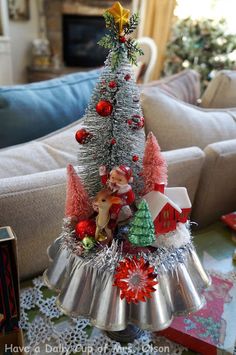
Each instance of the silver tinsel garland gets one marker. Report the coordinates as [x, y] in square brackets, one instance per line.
[129, 142]
[107, 258]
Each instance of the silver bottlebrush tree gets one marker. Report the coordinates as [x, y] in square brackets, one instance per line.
[113, 133]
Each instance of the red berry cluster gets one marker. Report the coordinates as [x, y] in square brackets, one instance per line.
[135, 158]
[112, 84]
[122, 39]
[113, 141]
[127, 77]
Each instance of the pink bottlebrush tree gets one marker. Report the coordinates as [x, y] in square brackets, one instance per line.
[154, 165]
[77, 200]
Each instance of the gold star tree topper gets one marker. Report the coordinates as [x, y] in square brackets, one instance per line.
[120, 14]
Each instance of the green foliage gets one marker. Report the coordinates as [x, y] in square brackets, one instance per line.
[133, 50]
[106, 41]
[116, 59]
[132, 25]
[112, 41]
[110, 23]
[203, 45]
[109, 40]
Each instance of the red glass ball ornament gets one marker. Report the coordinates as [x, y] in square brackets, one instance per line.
[112, 84]
[82, 136]
[127, 77]
[122, 39]
[135, 158]
[113, 141]
[85, 228]
[104, 108]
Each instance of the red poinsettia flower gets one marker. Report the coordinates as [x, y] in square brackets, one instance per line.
[135, 277]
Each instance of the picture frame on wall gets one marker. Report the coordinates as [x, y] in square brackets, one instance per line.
[19, 10]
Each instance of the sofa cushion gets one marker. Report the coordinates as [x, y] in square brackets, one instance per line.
[53, 151]
[34, 205]
[31, 111]
[216, 193]
[221, 91]
[177, 124]
[184, 86]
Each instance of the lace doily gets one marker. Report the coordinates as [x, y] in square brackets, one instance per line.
[52, 332]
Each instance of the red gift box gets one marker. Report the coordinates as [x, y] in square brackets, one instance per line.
[10, 333]
[211, 330]
[230, 220]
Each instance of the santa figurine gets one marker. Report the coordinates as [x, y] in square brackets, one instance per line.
[118, 182]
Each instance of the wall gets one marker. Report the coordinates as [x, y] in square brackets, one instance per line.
[1, 26]
[5, 46]
[22, 33]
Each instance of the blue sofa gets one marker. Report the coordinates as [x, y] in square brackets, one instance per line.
[34, 110]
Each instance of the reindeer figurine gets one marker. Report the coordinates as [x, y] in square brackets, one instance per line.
[102, 203]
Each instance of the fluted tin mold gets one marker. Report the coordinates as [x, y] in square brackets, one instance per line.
[85, 287]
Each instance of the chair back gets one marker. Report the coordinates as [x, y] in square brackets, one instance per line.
[149, 58]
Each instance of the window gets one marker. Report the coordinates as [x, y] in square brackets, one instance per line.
[212, 9]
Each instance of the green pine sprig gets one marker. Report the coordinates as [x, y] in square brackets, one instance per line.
[133, 51]
[112, 41]
[109, 40]
[116, 59]
[132, 25]
[110, 22]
